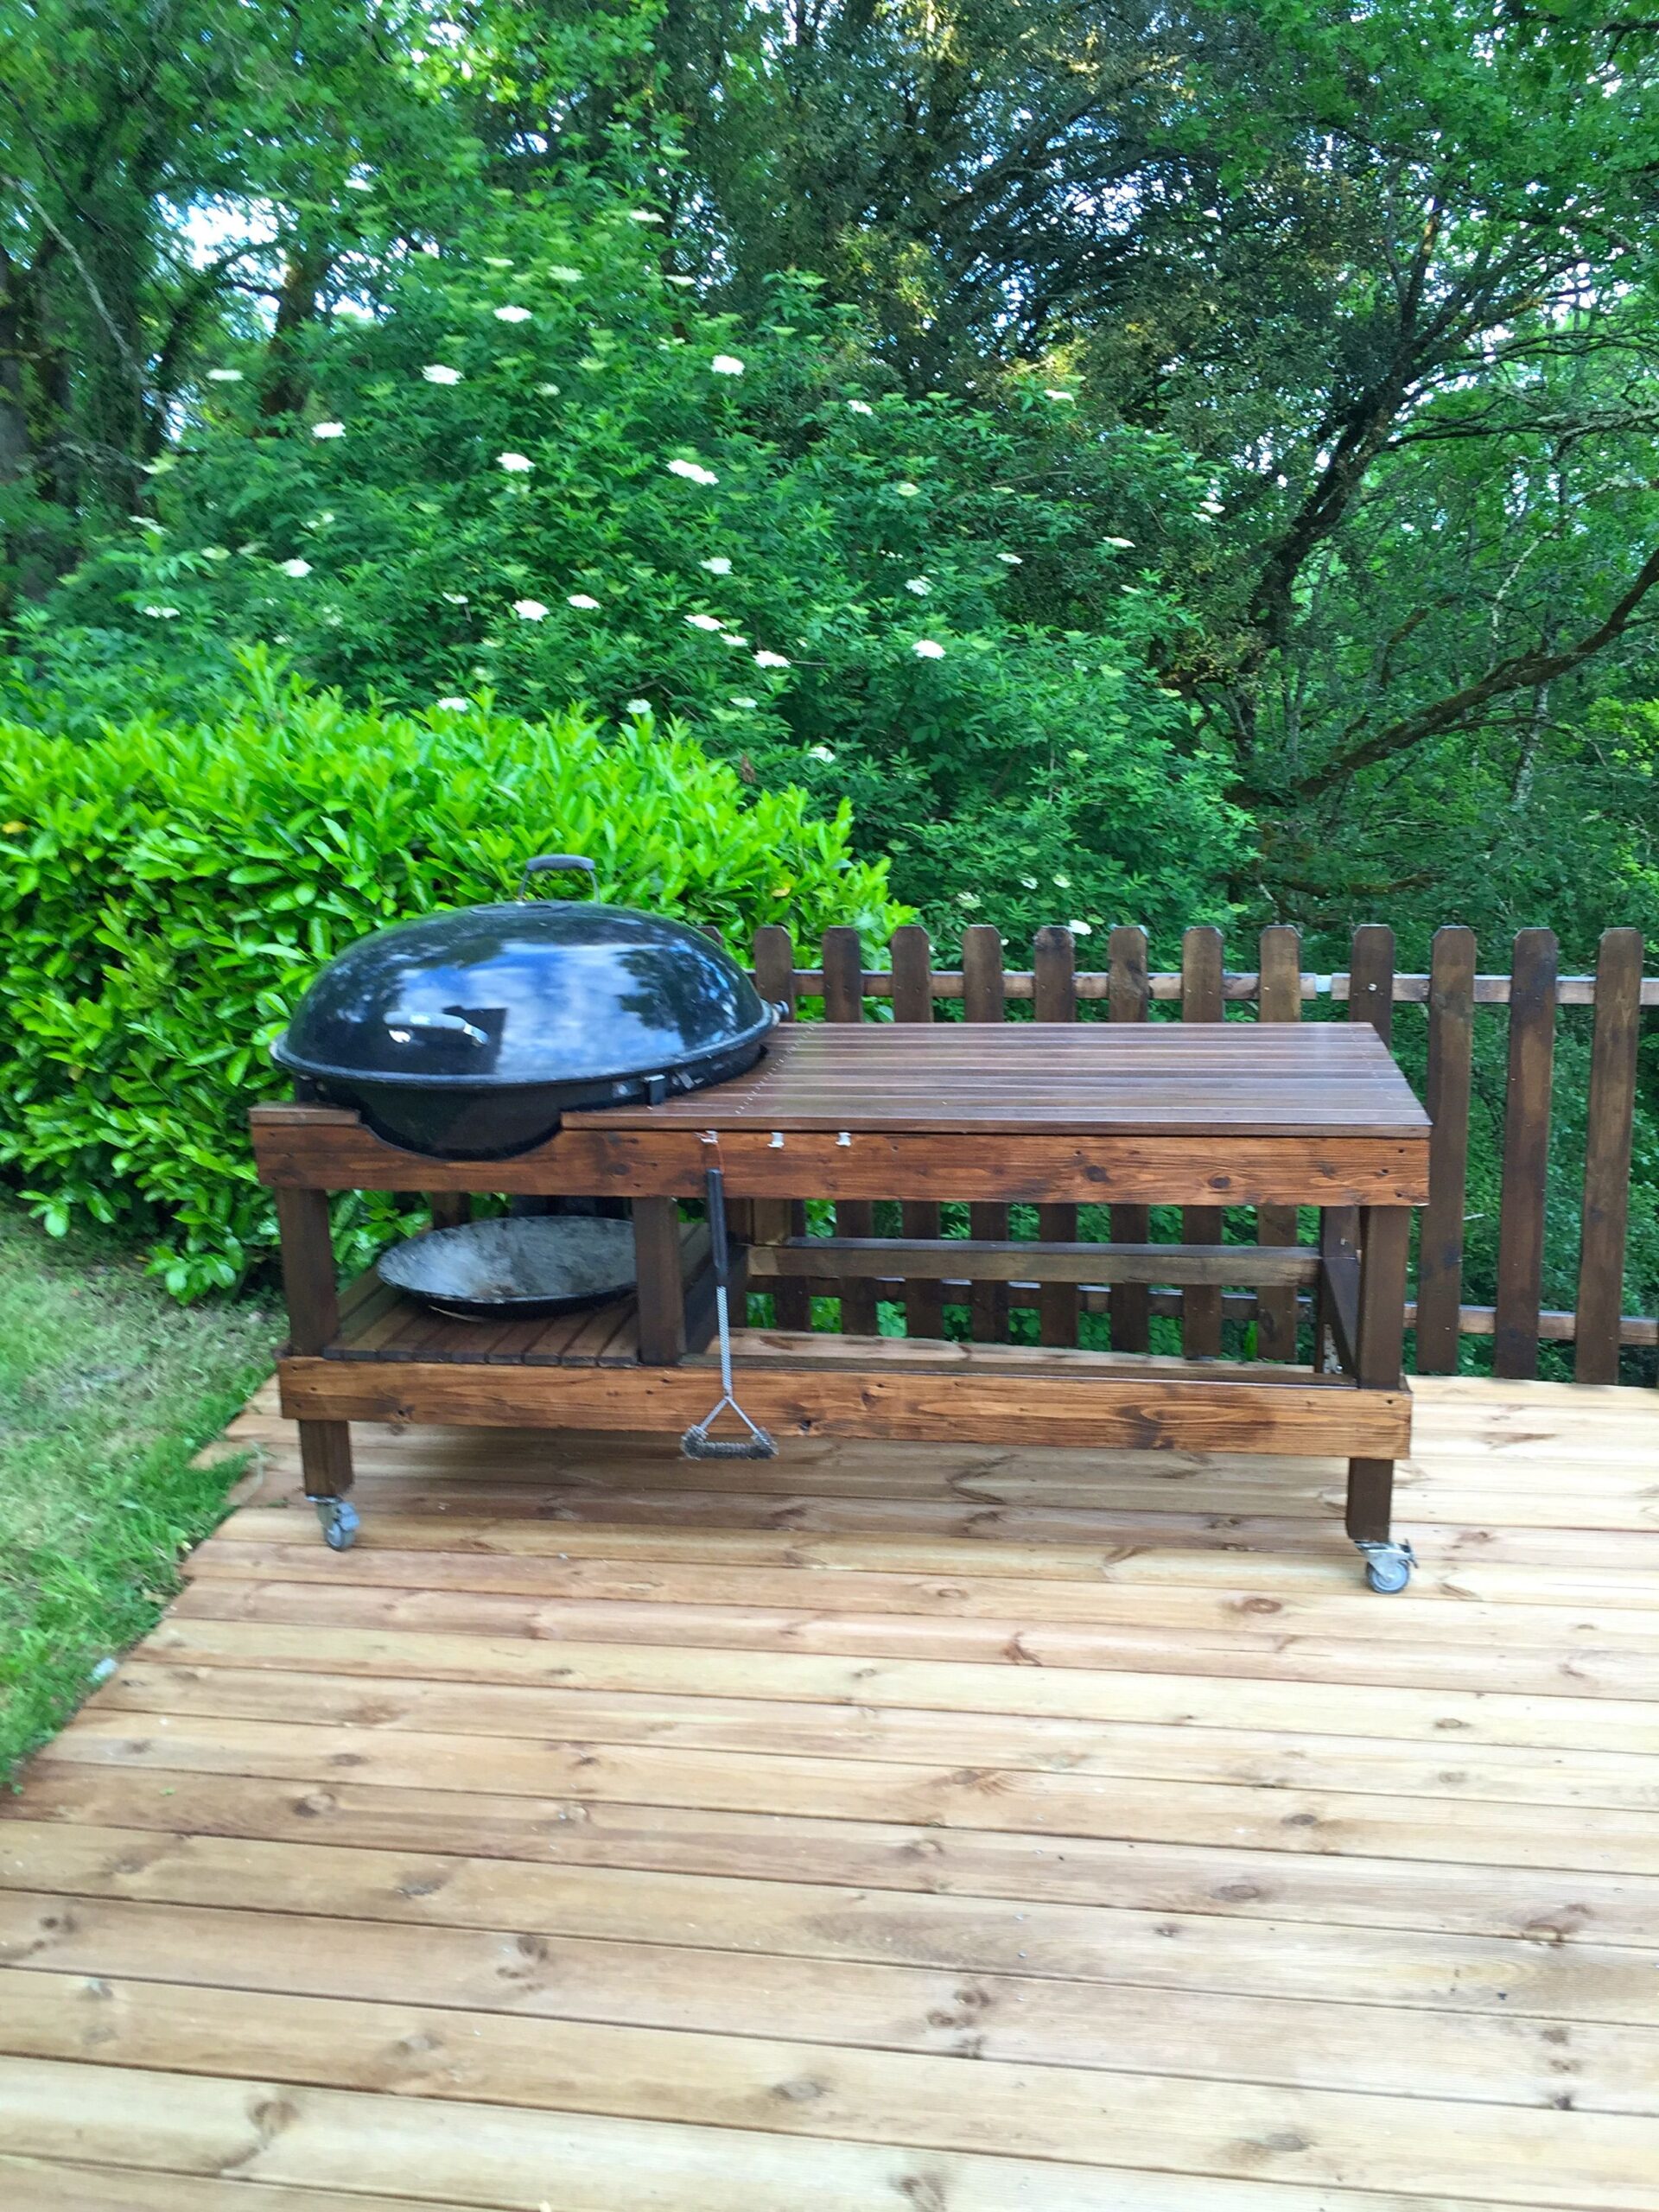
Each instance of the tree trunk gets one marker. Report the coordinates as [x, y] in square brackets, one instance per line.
[303, 274]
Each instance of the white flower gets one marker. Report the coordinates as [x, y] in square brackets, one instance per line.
[435, 372]
[582, 599]
[684, 281]
[516, 464]
[529, 610]
[693, 472]
[644, 215]
[770, 660]
[328, 430]
[820, 752]
[740, 699]
[497, 261]
[561, 275]
[512, 314]
[1210, 506]
[704, 621]
[294, 568]
[1123, 544]
[928, 649]
[727, 365]
[733, 637]
[859, 407]
[1030, 882]
[638, 707]
[967, 898]
[456, 598]
[224, 376]
[908, 491]
[1050, 391]
[547, 391]
[148, 523]
[454, 706]
[1061, 883]
[1012, 560]
[215, 552]
[163, 614]
[1080, 928]
[717, 565]
[319, 522]
[919, 585]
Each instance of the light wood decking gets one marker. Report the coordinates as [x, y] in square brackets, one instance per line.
[887, 1828]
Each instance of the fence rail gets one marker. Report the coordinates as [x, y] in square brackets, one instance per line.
[1453, 992]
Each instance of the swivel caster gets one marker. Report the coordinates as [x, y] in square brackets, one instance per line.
[1388, 1567]
[339, 1522]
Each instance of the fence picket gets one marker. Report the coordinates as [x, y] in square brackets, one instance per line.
[1130, 1307]
[1607, 1157]
[1281, 1000]
[1453, 992]
[1370, 978]
[773, 1219]
[1054, 964]
[1451, 1061]
[1201, 1000]
[983, 999]
[912, 1000]
[1526, 1154]
[844, 1000]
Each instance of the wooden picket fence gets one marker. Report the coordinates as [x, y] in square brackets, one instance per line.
[1454, 994]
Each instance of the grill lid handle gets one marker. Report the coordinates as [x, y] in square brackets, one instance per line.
[550, 864]
[404, 1026]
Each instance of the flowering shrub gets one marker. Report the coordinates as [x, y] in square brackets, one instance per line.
[167, 893]
[543, 470]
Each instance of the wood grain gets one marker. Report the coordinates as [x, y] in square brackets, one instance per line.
[912, 1002]
[772, 1219]
[1130, 1310]
[982, 1002]
[1526, 1154]
[843, 1002]
[1607, 1156]
[1451, 1056]
[1281, 1000]
[1202, 962]
[1123, 1409]
[1055, 999]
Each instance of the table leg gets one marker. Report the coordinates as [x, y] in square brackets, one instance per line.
[313, 1300]
[661, 1287]
[1385, 1233]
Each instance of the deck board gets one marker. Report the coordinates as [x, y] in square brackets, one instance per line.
[942, 1827]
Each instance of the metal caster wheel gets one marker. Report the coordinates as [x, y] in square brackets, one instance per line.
[1388, 1567]
[339, 1522]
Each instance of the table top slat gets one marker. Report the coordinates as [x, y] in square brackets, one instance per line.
[1087, 1078]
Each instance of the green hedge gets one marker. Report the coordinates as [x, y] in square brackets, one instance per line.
[167, 893]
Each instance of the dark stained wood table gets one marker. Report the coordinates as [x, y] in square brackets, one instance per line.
[1209, 1115]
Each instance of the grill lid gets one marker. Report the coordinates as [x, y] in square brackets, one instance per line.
[531, 991]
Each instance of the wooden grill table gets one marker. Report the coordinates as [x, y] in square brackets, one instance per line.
[1197, 1116]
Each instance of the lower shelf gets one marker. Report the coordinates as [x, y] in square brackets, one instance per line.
[872, 1388]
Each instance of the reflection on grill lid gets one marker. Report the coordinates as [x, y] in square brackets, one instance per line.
[538, 991]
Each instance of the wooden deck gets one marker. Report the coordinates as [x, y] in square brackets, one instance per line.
[938, 1828]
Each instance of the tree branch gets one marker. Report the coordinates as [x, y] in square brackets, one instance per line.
[1521, 671]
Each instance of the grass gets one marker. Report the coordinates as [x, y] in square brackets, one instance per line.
[107, 1390]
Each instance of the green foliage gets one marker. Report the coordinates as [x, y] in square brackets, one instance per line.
[542, 471]
[167, 891]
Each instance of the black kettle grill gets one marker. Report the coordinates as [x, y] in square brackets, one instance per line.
[467, 1034]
